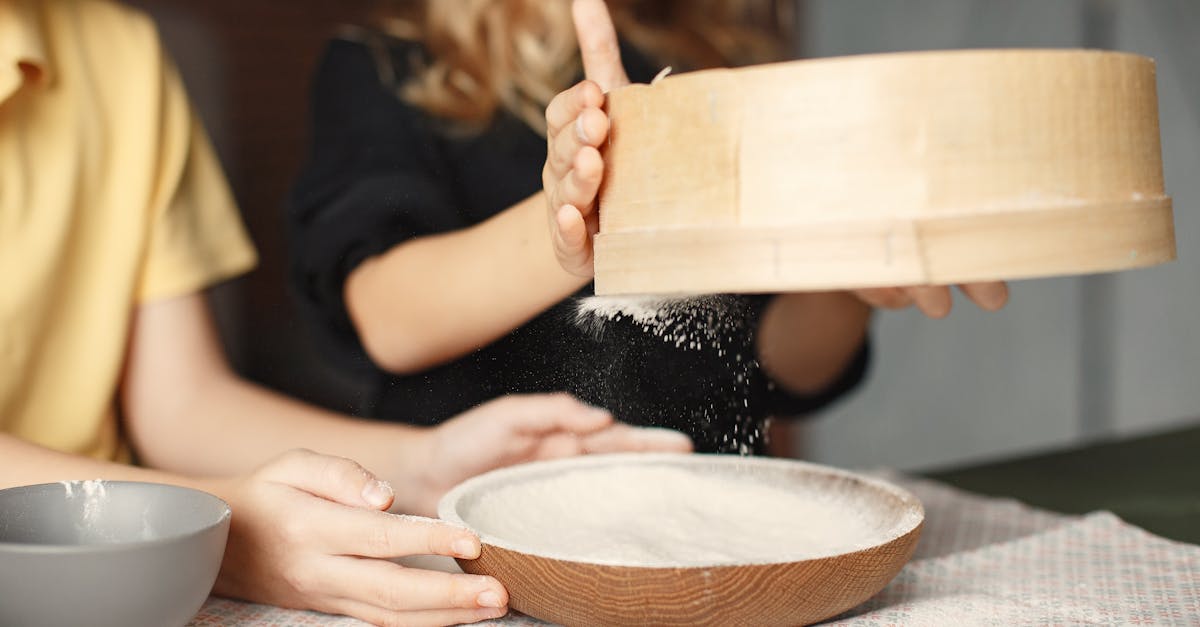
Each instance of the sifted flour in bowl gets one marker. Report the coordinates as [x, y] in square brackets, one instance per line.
[670, 516]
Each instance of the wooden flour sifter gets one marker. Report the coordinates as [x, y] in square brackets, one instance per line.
[893, 169]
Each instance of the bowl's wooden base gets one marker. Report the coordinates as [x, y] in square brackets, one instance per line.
[893, 169]
[778, 594]
[795, 593]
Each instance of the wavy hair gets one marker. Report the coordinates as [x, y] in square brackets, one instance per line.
[515, 55]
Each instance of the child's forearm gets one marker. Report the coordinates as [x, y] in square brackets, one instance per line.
[433, 299]
[26, 463]
[805, 341]
[185, 411]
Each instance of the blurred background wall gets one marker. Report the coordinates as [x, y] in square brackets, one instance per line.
[1068, 361]
[247, 66]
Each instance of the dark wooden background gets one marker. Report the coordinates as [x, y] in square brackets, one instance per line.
[247, 66]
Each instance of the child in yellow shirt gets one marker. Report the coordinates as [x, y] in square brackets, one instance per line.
[114, 217]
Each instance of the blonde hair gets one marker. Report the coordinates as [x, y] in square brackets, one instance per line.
[515, 55]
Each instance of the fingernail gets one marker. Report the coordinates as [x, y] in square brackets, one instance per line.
[465, 548]
[489, 598]
[580, 131]
[491, 612]
[378, 493]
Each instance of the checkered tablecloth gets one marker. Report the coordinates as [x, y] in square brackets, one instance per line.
[981, 561]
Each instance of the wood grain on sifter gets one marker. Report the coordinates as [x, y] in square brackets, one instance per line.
[906, 168]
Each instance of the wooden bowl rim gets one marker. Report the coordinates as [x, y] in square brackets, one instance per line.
[911, 518]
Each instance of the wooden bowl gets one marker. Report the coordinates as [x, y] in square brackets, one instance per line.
[892, 169]
[548, 579]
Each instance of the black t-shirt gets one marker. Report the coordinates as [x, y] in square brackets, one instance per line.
[383, 172]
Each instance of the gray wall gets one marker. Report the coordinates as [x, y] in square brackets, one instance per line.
[1070, 359]
[247, 67]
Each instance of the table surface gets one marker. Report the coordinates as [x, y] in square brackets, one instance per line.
[1151, 481]
[1002, 559]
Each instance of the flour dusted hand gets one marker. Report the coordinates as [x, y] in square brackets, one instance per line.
[575, 128]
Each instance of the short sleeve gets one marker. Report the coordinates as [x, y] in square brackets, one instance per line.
[196, 236]
[375, 178]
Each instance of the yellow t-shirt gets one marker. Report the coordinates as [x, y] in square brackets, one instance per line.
[110, 196]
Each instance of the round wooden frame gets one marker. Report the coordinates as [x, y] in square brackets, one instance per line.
[894, 169]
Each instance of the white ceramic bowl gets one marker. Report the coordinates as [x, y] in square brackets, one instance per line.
[108, 553]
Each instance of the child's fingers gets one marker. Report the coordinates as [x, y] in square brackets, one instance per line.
[376, 615]
[884, 297]
[589, 129]
[558, 446]
[991, 296]
[332, 478]
[571, 237]
[582, 182]
[393, 587]
[541, 415]
[934, 301]
[563, 148]
[625, 438]
[592, 223]
[566, 106]
[366, 533]
[598, 44]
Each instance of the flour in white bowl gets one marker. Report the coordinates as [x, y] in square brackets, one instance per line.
[93, 492]
[668, 516]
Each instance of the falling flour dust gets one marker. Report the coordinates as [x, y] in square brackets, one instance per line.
[712, 324]
[670, 516]
[688, 322]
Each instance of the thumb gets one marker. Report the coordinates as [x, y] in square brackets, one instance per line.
[598, 44]
[336, 479]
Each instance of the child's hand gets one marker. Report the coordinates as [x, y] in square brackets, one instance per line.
[575, 127]
[309, 531]
[517, 429]
[935, 301]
